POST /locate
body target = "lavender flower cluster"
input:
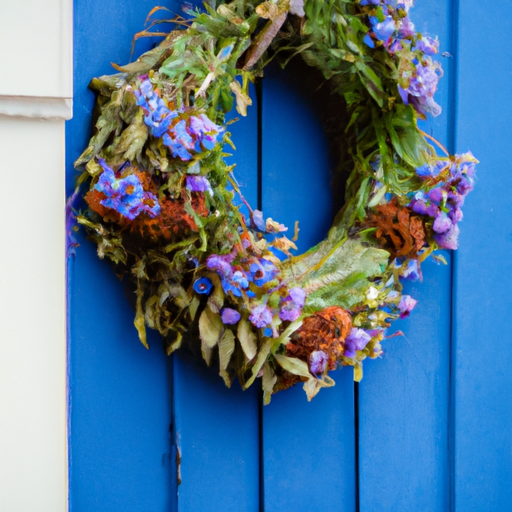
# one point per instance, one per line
(443, 203)
(125, 195)
(182, 132)
(242, 277)
(391, 27)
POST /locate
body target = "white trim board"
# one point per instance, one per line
(33, 107)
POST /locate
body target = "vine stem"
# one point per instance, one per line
(436, 142)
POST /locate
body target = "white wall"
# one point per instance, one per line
(35, 99)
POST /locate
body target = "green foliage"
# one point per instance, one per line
(205, 67)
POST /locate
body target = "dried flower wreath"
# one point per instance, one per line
(161, 203)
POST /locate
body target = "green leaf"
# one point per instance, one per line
(268, 382)
(293, 365)
(358, 372)
(285, 335)
(216, 298)
(247, 338)
(139, 321)
(192, 309)
(226, 350)
(371, 81)
(145, 62)
(314, 385)
(175, 345)
(210, 327)
(258, 365)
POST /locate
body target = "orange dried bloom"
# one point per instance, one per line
(325, 331)
(399, 230)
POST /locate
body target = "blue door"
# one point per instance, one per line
(428, 427)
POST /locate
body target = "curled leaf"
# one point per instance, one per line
(247, 339)
(210, 327)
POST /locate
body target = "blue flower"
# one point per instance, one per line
(235, 283)
(125, 195)
(203, 286)
(368, 40)
(225, 52)
(384, 30)
(158, 117)
(262, 272)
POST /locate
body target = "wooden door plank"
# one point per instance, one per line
(308, 448)
(404, 398)
(217, 429)
(483, 307)
(119, 405)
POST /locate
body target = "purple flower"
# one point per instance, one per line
(455, 215)
(465, 186)
(203, 286)
(199, 184)
(298, 296)
(317, 362)
(356, 340)
(406, 305)
(442, 223)
(449, 239)
(436, 194)
(291, 306)
(229, 316)
(257, 218)
(289, 312)
(411, 272)
(205, 131)
(406, 28)
(421, 85)
(419, 206)
(427, 45)
(220, 263)
(261, 316)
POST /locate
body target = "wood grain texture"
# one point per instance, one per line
(119, 400)
(483, 307)
(404, 399)
(308, 448)
(217, 429)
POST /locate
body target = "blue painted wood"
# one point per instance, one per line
(416, 450)
(483, 308)
(404, 461)
(217, 428)
(119, 400)
(308, 448)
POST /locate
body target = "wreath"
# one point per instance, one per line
(162, 201)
